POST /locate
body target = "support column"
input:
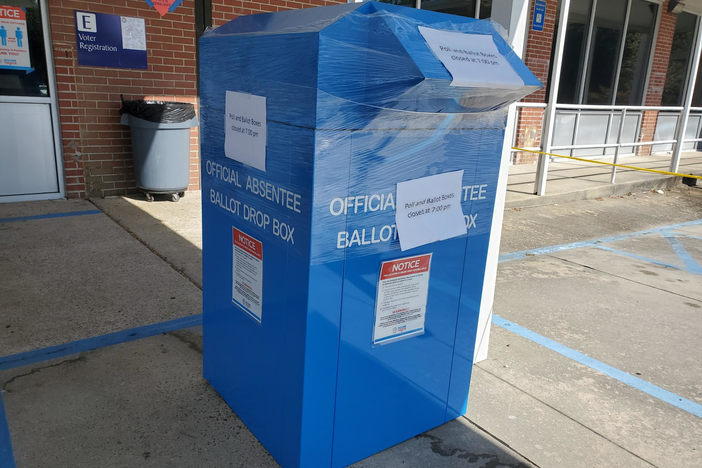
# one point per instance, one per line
(513, 16)
(549, 118)
(689, 92)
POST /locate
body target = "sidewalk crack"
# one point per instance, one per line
(39, 369)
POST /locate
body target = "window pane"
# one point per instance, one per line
(697, 95)
(407, 3)
(637, 51)
(485, 9)
(604, 51)
(454, 7)
(679, 60)
(573, 52)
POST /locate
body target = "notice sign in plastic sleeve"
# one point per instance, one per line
(14, 43)
(401, 302)
(472, 59)
(247, 273)
(245, 129)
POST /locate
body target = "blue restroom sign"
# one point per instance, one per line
(105, 40)
(537, 23)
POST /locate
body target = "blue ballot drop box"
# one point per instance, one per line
(310, 119)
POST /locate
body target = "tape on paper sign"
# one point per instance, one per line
(472, 59)
(247, 273)
(401, 300)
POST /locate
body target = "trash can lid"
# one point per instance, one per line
(159, 111)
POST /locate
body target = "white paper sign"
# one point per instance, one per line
(247, 273)
(401, 301)
(429, 209)
(472, 59)
(245, 129)
(133, 33)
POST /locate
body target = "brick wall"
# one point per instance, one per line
(656, 83)
(538, 48)
(96, 148)
(529, 127)
(538, 58)
(227, 10)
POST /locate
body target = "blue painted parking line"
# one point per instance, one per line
(89, 344)
(576, 245)
(690, 263)
(639, 257)
(628, 379)
(7, 457)
(49, 216)
(692, 236)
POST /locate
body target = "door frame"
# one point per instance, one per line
(52, 100)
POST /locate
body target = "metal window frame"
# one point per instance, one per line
(418, 5)
(584, 78)
(52, 101)
(652, 52)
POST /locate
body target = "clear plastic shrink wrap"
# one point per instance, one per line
(298, 339)
(356, 102)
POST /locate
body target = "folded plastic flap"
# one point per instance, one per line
(378, 56)
(370, 54)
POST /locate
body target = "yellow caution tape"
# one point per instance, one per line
(611, 164)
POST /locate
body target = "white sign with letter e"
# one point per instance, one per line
(429, 209)
(472, 59)
(245, 129)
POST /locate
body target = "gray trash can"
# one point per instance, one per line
(160, 145)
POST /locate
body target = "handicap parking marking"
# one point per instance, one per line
(50, 215)
(692, 236)
(655, 391)
(639, 257)
(690, 263)
(7, 457)
(594, 242)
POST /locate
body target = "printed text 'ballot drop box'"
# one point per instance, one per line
(339, 145)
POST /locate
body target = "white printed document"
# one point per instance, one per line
(472, 59)
(245, 129)
(429, 209)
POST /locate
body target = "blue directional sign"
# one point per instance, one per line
(105, 40)
(537, 23)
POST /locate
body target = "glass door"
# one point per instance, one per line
(29, 166)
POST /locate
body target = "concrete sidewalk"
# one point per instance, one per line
(570, 180)
(634, 307)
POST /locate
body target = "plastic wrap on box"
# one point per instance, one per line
(356, 102)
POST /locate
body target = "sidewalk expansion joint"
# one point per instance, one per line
(623, 278)
(479, 427)
(180, 271)
(566, 416)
